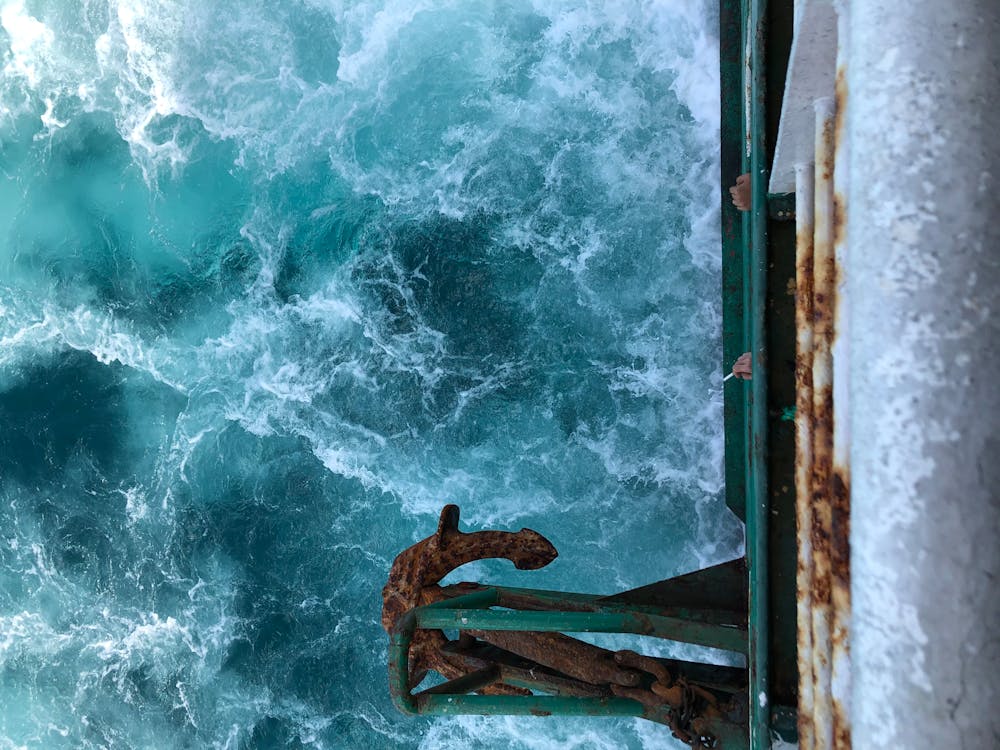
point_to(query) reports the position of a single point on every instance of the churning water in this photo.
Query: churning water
(280, 279)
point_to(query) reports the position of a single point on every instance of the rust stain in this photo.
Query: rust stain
(823, 485)
(840, 500)
(429, 560)
(819, 535)
(841, 730)
(840, 497)
(824, 300)
(803, 321)
(829, 135)
(417, 570)
(570, 656)
(805, 572)
(838, 492)
(840, 105)
(839, 219)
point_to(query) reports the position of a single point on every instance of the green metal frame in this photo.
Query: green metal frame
(472, 611)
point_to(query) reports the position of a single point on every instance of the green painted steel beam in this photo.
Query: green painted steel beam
(487, 596)
(465, 684)
(744, 249)
(734, 336)
(728, 735)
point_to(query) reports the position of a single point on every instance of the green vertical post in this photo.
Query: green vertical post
(755, 225)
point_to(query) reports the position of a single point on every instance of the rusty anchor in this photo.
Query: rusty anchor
(417, 570)
(519, 660)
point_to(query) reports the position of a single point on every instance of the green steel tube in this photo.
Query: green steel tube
(528, 705)
(399, 663)
(672, 628)
(512, 597)
(536, 599)
(756, 481)
(728, 735)
(429, 703)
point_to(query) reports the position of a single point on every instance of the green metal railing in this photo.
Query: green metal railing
(744, 278)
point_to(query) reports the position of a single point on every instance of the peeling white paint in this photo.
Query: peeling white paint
(923, 283)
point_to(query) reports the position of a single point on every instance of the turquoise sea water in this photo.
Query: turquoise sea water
(280, 279)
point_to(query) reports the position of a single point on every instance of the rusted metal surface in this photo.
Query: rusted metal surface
(804, 182)
(840, 480)
(431, 559)
(822, 443)
(569, 656)
(694, 706)
(824, 277)
(417, 570)
(841, 604)
(428, 654)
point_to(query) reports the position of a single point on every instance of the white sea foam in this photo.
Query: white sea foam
(31, 330)
(136, 507)
(517, 733)
(27, 633)
(372, 29)
(30, 42)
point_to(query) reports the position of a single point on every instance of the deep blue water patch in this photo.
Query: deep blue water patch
(65, 408)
